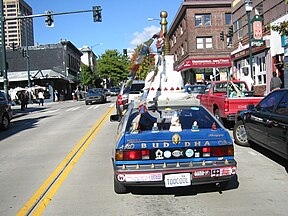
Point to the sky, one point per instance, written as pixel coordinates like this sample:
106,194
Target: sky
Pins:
124,22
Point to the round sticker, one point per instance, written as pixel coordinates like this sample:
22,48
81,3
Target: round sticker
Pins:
167,154
189,153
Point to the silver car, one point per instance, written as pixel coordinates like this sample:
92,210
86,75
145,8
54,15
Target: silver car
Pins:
95,95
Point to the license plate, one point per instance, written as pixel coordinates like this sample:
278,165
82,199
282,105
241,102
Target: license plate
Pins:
177,180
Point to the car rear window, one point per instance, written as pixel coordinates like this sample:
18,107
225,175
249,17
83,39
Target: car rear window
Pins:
136,88
187,116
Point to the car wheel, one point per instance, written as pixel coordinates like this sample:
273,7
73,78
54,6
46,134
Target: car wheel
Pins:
217,115
119,188
239,134
86,103
5,122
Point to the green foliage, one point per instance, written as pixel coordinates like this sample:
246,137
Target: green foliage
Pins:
89,78
282,28
113,66
147,64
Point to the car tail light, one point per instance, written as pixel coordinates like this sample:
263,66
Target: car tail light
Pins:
226,106
128,155
206,151
132,155
222,151
119,100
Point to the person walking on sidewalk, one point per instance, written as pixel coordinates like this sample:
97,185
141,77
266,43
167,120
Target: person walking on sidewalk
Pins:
41,98
275,82
21,97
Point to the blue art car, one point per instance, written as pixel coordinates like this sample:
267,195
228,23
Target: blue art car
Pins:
171,145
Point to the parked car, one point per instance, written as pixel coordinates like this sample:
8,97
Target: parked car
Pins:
95,95
265,124
225,98
6,112
195,89
114,91
171,144
107,92
126,95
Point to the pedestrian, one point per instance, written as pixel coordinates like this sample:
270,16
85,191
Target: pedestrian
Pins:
275,82
26,94
22,99
56,95
249,81
41,98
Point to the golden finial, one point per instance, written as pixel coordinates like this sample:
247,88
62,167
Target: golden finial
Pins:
163,23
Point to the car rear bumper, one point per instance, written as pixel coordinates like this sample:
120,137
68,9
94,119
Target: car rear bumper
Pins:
200,173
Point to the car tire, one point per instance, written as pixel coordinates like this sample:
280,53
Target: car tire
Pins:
119,188
86,103
217,115
5,122
240,134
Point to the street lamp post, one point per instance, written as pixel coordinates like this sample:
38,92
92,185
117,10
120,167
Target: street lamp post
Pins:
99,44
27,59
248,8
3,48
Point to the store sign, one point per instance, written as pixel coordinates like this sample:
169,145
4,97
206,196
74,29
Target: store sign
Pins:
286,51
257,39
284,41
205,63
258,43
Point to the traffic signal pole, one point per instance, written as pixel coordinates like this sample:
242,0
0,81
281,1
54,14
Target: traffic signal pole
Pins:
3,48
96,18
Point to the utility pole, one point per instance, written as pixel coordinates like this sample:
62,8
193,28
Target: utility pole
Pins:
3,48
28,60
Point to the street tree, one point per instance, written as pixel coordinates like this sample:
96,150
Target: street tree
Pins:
146,65
113,66
89,78
281,28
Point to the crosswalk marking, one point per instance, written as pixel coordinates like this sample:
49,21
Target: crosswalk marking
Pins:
93,107
72,109
52,111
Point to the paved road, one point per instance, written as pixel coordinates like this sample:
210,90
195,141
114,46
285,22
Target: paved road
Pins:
38,142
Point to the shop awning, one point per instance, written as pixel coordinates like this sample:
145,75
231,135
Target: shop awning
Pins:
204,63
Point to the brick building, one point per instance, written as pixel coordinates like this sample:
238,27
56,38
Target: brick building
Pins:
194,37
266,57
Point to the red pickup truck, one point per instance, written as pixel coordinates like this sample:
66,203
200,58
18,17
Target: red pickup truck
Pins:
225,99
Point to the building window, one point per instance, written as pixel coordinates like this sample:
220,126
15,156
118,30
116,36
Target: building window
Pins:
181,29
204,43
228,19
203,20
182,50
260,69
238,28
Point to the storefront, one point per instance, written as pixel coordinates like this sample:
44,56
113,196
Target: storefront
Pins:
261,61
205,69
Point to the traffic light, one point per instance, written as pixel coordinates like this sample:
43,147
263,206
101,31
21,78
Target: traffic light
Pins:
222,35
49,21
97,14
230,31
24,52
125,52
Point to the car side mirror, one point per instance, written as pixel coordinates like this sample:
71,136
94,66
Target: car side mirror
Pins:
115,118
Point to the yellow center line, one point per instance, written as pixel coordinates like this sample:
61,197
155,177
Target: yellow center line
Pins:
62,171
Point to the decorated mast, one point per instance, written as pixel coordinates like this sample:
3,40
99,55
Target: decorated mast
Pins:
164,83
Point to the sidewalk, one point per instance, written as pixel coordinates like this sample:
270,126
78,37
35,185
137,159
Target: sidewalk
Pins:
17,112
